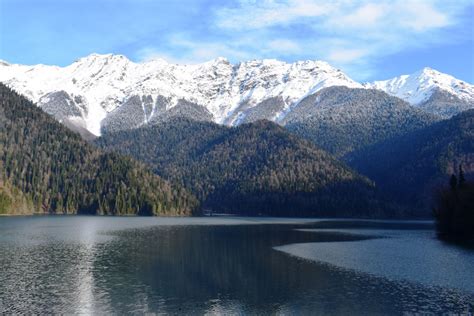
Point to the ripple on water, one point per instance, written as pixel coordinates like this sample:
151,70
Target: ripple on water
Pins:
84,265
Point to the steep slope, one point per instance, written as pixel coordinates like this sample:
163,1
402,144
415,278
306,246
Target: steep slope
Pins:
256,168
98,85
57,172
436,92
341,120
410,167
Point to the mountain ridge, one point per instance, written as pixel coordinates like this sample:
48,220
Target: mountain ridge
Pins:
421,87
428,78
341,120
105,81
94,88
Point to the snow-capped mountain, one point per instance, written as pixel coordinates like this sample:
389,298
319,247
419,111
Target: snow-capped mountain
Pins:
132,94
430,90
101,93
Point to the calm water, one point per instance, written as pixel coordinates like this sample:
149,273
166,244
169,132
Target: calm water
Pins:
229,266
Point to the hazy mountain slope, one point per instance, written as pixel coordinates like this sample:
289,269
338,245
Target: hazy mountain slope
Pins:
341,120
60,173
445,104
97,85
256,168
411,166
436,92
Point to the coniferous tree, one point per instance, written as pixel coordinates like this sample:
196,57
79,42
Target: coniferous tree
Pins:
453,182
454,212
462,179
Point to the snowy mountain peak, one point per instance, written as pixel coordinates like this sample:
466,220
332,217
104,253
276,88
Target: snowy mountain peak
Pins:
98,84
420,86
430,71
220,60
96,56
101,88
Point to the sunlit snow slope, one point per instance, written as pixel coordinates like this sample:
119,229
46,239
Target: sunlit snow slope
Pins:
430,90
94,86
101,93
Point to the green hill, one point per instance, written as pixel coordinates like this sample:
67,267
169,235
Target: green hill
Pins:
256,168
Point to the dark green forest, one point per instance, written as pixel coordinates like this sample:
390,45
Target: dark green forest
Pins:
182,166
454,210
252,169
411,167
341,120
50,168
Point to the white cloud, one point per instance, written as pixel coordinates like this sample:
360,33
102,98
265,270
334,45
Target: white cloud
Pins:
351,34
183,50
418,15
368,15
343,55
421,16
284,46
257,14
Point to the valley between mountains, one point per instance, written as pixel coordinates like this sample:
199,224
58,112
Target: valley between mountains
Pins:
261,137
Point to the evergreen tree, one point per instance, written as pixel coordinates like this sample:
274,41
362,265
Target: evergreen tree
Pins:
454,213
453,182
462,179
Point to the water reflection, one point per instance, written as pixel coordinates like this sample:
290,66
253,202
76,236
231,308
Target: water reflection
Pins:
89,265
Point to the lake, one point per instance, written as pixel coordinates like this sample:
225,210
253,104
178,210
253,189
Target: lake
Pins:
217,265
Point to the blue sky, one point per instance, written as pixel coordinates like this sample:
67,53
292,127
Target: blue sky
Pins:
368,39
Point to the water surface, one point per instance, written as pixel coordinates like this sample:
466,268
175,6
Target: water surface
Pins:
229,266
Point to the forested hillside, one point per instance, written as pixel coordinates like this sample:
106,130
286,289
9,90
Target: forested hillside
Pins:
13,200
55,171
411,167
341,120
257,168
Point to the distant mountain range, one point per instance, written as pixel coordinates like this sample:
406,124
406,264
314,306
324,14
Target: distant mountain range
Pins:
257,137
106,93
